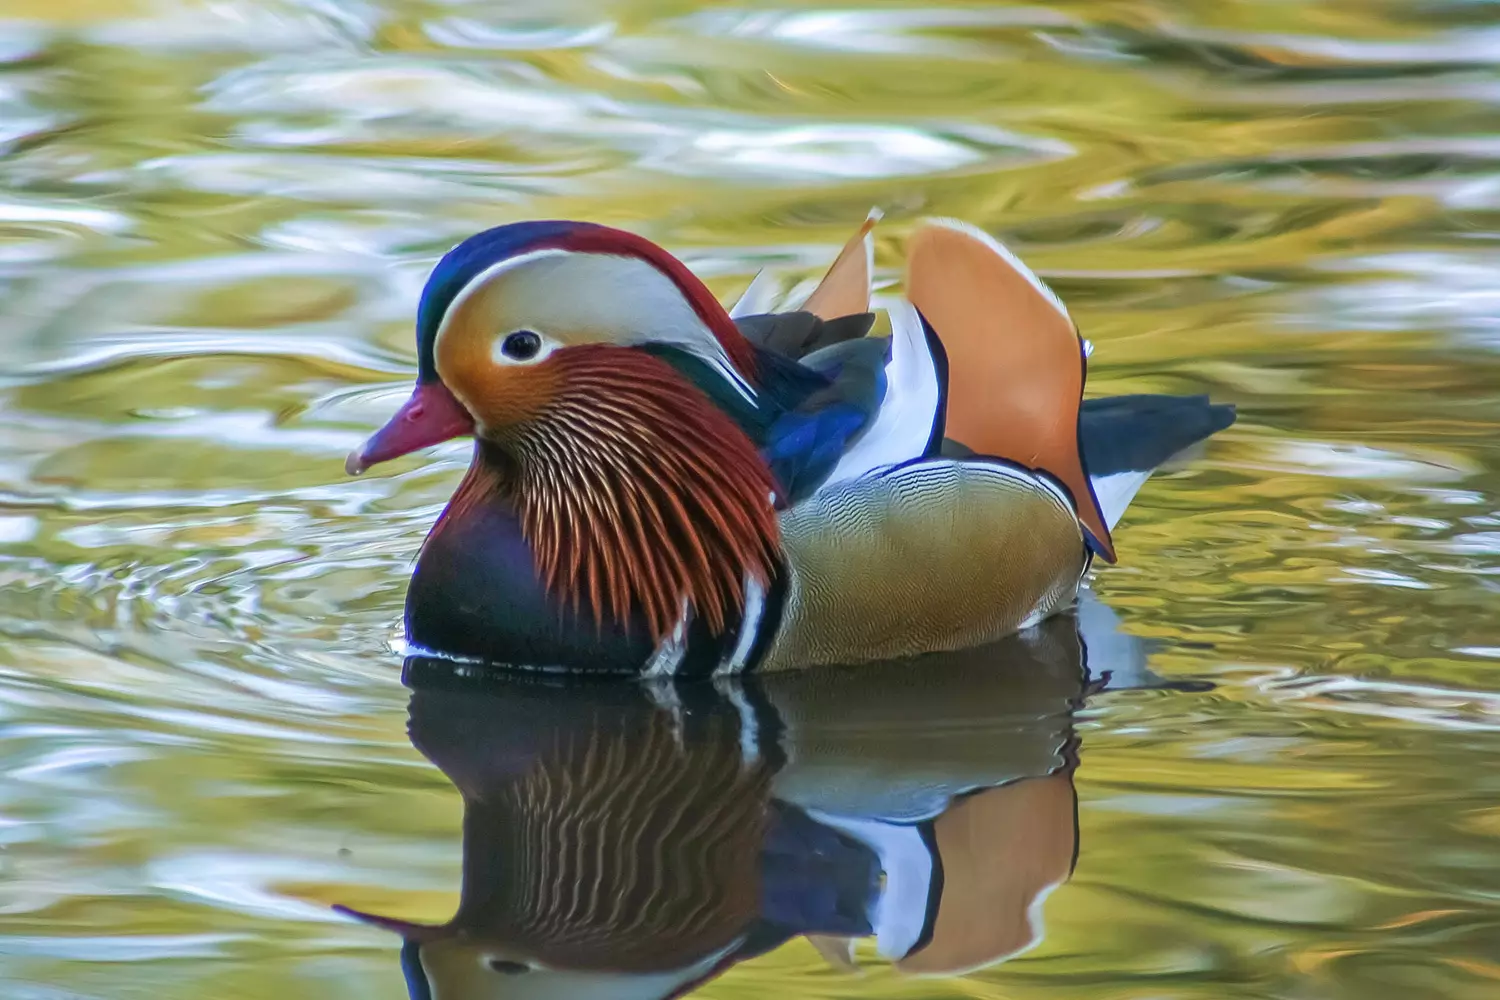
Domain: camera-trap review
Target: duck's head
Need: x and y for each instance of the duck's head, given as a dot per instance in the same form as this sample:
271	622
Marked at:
511	315
585	360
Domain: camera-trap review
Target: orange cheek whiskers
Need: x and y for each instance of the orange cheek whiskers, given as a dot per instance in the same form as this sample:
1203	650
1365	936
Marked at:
637	494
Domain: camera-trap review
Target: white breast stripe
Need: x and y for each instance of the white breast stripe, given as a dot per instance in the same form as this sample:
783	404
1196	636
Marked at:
903	425
667	658
755	609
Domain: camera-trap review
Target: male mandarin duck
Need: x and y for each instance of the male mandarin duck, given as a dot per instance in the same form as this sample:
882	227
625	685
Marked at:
659	487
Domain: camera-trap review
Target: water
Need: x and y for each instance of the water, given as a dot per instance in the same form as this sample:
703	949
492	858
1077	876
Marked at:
215	219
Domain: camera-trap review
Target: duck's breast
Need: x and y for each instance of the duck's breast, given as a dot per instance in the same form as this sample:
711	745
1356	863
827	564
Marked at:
476	594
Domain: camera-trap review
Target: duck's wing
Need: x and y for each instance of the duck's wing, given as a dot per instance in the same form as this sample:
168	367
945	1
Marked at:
1016	363
836	311
908	423
805	415
811	434
799	333
929	555
882	406
842	403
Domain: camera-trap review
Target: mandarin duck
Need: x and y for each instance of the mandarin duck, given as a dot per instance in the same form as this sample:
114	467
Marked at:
662	488
631	842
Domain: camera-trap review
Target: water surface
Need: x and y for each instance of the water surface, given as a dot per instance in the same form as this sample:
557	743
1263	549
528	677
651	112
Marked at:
214	222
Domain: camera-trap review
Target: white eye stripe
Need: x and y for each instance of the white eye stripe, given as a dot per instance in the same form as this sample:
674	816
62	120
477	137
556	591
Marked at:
628	302
499	355
482	280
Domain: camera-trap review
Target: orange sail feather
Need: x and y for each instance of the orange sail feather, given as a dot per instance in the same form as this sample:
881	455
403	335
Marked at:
1015	361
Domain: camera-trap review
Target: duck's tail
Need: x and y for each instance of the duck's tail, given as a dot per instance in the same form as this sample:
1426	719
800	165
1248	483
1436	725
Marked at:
1125	438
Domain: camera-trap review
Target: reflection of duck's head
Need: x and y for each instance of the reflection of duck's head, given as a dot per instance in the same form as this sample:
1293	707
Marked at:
462	971
625	841
607	852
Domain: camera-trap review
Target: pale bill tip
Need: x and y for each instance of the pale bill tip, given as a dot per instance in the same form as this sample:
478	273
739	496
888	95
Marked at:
355	463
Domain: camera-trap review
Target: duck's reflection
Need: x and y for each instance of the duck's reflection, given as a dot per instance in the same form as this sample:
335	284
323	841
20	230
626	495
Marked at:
629	841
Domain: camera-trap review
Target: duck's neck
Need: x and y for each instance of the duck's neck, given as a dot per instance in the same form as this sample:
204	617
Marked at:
638	497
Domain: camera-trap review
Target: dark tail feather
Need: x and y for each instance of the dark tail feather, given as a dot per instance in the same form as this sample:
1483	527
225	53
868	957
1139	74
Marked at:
1138	433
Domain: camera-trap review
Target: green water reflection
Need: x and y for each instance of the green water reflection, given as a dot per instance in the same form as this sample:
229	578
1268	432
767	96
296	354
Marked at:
214	222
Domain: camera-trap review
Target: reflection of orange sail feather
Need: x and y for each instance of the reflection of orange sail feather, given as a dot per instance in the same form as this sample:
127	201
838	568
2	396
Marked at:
1003	850
1015	361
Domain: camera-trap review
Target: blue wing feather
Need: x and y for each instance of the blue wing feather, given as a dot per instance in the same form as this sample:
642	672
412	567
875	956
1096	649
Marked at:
804	415
804	442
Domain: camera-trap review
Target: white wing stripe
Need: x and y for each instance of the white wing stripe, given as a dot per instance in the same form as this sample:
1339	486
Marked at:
758	298
903	426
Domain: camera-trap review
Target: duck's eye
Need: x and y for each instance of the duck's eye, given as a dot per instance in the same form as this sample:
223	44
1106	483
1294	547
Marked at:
522	345
504	966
